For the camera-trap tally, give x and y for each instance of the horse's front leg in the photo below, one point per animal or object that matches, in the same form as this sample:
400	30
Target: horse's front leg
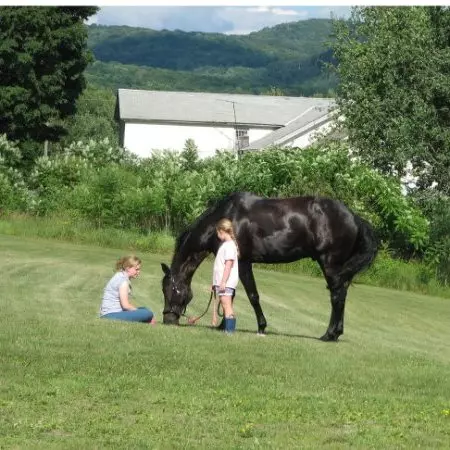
248	281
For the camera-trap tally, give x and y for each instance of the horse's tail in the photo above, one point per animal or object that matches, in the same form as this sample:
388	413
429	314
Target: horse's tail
365	250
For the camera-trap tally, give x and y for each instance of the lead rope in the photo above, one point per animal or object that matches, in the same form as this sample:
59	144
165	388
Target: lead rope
194	319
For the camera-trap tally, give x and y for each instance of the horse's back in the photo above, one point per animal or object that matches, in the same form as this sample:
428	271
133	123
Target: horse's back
246	202
288	229
251	206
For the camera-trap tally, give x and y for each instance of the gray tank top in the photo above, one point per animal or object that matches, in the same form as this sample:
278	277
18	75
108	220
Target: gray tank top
111	300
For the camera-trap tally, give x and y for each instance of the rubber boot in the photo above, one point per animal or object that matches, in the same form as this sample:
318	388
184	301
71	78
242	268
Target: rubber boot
230	324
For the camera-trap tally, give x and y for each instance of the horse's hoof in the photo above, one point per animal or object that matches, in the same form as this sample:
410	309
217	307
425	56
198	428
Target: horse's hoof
329	337
261	333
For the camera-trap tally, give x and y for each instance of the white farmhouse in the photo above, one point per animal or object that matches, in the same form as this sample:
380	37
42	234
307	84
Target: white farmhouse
158	120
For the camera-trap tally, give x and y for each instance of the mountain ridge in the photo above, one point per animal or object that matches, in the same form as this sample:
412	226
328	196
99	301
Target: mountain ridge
286	58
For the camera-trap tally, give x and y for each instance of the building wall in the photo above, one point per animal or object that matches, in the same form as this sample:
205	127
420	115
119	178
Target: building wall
143	138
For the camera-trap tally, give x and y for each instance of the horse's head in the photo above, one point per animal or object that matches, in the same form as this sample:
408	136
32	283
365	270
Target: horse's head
177	295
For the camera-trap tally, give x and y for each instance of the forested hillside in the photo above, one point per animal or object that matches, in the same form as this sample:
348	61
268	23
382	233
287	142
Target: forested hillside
289	57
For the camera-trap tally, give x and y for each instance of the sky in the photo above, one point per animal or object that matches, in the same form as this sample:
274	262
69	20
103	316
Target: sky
229	19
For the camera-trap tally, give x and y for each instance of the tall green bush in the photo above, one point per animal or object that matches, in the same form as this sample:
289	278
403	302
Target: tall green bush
116	196
55	176
436	207
14	194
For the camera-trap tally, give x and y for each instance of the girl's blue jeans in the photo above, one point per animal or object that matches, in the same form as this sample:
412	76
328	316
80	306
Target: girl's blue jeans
141	314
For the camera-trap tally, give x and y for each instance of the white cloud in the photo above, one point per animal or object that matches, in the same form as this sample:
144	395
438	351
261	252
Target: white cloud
337	11
247	20
284	12
258	9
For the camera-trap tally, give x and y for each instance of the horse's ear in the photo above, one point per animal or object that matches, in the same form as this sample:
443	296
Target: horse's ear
165	268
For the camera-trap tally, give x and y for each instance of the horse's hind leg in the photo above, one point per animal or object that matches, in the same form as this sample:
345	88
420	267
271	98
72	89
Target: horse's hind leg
338	294
248	281
336	327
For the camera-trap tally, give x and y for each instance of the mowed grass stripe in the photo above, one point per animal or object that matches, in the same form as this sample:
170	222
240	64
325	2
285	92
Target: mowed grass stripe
71	380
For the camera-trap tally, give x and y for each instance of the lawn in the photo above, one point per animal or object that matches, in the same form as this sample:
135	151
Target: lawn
69	380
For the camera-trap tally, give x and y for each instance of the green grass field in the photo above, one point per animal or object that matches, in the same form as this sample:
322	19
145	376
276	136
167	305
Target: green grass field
69	380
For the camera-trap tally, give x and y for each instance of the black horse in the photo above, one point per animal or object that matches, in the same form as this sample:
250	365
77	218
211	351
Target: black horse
275	230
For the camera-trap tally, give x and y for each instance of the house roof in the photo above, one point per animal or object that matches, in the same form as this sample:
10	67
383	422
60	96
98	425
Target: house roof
242	109
310	120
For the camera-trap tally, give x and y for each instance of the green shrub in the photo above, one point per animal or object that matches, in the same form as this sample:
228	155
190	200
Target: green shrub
10	154
436	207
99	153
14	195
54	177
116	196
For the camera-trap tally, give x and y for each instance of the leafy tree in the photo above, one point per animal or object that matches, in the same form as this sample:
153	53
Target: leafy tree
394	91
274	91
94	118
43	54
189	155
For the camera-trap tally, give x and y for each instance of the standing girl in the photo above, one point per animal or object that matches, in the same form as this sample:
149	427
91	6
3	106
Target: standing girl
226	272
116	295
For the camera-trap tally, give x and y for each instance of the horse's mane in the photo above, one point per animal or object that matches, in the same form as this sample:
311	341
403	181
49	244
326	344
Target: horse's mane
180	238
213	205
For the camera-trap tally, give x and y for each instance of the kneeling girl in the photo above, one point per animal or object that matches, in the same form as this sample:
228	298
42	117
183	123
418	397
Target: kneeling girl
116	295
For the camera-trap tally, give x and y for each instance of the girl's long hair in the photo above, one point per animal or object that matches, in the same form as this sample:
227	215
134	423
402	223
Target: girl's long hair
126	262
227	226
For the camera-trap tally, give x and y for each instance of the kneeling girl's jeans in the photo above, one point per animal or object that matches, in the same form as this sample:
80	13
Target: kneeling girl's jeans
141	314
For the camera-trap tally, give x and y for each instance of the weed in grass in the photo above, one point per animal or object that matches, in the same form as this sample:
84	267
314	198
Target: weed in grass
247	430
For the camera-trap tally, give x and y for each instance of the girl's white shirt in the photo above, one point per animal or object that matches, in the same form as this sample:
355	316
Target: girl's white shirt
227	251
